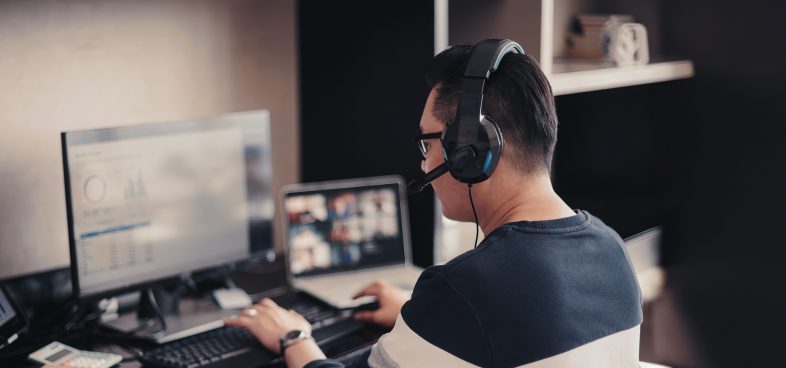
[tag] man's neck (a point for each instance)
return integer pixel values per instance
(531, 198)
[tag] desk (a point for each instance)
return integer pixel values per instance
(257, 282)
(344, 349)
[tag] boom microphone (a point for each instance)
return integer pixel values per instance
(417, 186)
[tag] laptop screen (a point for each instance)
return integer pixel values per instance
(346, 225)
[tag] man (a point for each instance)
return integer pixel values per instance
(547, 287)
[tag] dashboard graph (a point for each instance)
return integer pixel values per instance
(145, 207)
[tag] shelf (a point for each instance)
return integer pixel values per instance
(572, 76)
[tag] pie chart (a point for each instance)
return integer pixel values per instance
(95, 189)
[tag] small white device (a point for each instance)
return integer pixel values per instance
(63, 355)
(230, 299)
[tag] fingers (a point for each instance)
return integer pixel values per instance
(246, 317)
(362, 292)
(372, 290)
(232, 321)
(239, 321)
(367, 316)
(264, 307)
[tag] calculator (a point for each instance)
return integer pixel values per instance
(63, 355)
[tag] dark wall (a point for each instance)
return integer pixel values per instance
(362, 68)
(723, 238)
(609, 158)
(703, 157)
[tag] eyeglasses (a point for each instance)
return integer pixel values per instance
(423, 145)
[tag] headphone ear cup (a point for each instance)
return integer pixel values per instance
(490, 158)
(476, 162)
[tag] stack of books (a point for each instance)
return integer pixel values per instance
(592, 41)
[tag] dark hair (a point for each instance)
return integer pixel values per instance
(518, 96)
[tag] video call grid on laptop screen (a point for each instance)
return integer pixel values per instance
(340, 229)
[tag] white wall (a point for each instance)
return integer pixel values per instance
(79, 64)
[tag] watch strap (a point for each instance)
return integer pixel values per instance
(287, 341)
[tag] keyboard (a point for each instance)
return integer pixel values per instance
(213, 348)
(236, 347)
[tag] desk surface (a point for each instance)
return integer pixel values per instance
(255, 283)
(343, 349)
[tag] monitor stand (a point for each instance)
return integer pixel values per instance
(163, 317)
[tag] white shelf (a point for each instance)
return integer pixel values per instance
(571, 76)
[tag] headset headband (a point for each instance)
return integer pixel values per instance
(484, 60)
(487, 55)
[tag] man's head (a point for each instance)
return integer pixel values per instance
(517, 96)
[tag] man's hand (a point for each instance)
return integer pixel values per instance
(268, 322)
(390, 299)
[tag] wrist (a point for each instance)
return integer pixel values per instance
(301, 353)
(291, 338)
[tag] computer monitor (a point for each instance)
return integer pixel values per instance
(345, 225)
(153, 202)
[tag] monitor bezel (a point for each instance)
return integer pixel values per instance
(356, 183)
(170, 279)
(17, 324)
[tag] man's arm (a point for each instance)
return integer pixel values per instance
(390, 299)
(269, 322)
(304, 352)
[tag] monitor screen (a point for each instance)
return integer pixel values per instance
(342, 226)
(155, 201)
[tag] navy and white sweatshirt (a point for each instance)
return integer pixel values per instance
(558, 293)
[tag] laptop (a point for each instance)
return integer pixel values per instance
(342, 235)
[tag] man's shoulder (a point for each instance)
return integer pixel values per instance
(534, 244)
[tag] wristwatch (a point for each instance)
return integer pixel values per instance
(292, 337)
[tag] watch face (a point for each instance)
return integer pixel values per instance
(292, 334)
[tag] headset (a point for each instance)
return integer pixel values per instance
(472, 143)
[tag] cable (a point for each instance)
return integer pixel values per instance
(157, 314)
(472, 203)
